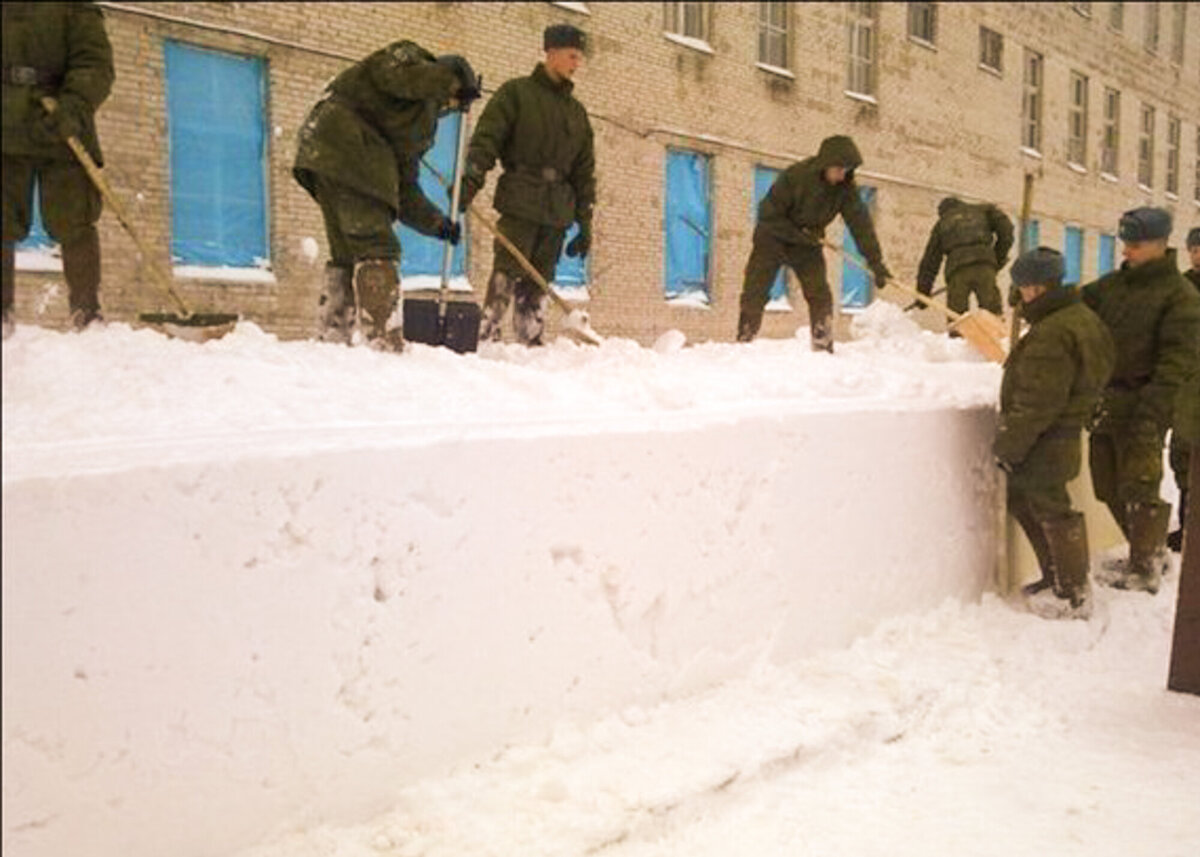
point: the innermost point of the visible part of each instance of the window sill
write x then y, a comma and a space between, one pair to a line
917, 40
581, 8
860, 96
37, 260
572, 292
1077, 168
778, 305
225, 275
690, 42
774, 69
1174, 197
433, 283
690, 300
1033, 153
1109, 177
990, 70
1145, 188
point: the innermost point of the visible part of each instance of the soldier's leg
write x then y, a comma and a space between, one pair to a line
377, 290
506, 271
1180, 458
336, 307
71, 205
958, 291
1038, 494
1102, 462
17, 201
766, 256
809, 265
1140, 473
529, 305
981, 281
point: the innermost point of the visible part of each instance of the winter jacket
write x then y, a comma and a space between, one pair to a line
800, 203
1055, 374
965, 234
60, 50
1186, 426
541, 135
1153, 314
371, 127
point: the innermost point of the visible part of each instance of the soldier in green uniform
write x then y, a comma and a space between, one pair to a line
975, 240
358, 155
1181, 445
59, 50
792, 218
1153, 314
1052, 381
542, 137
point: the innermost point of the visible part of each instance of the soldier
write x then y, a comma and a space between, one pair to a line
791, 226
358, 156
59, 50
1052, 382
541, 134
1154, 317
975, 239
1180, 450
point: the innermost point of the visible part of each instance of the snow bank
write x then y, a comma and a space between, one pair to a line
249, 583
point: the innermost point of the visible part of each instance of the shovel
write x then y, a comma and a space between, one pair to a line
454, 324
195, 327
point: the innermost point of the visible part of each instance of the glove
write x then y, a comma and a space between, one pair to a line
881, 274
925, 288
67, 120
469, 85
1004, 465
449, 231
472, 184
581, 243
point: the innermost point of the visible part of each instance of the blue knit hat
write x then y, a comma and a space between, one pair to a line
1144, 224
1041, 267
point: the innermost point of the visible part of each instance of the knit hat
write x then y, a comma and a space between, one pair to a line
563, 36
1193, 239
1041, 267
1144, 224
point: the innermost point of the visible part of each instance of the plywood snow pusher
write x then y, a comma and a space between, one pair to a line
195, 327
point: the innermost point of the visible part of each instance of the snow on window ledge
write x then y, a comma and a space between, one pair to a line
1174, 197
860, 96
1145, 188
779, 304
774, 69
690, 300
1109, 177
572, 292
432, 282
925, 43
39, 259
991, 70
690, 42
1079, 168
224, 274
581, 8
1033, 153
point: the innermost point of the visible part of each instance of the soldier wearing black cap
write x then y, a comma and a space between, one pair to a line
1153, 314
541, 135
1186, 408
1052, 381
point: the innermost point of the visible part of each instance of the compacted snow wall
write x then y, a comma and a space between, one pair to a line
200, 655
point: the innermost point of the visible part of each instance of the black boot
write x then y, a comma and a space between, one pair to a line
1067, 539
821, 330
1147, 546
748, 325
81, 270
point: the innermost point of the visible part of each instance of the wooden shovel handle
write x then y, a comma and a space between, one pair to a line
521, 260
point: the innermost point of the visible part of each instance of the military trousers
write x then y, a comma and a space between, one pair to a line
1037, 487
978, 280
541, 246
70, 205
1126, 459
358, 227
1180, 457
767, 255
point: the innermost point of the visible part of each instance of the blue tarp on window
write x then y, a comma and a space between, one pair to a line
421, 254
1033, 233
38, 238
216, 123
688, 223
1107, 260
1073, 254
764, 177
571, 270
856, 283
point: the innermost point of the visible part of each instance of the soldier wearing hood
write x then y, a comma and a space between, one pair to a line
975, 240
792, 218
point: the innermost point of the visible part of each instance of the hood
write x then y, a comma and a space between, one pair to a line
838, 151
947, 204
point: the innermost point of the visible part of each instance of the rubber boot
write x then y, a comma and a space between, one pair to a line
748, 326
1067, 538
1175, 537
821, 329
495, 304
8, 261
529, 312
336, 306
1147, 547
81, 270
377, 294
1041, 549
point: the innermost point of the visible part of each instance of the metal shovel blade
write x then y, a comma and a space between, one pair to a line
458, 330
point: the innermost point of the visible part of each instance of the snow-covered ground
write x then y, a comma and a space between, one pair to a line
970, 729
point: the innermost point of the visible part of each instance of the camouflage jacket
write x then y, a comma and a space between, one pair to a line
60, 50
1187, 403
371, 127
965, 235
1055, 374
542, 137
800, 203
1154, 317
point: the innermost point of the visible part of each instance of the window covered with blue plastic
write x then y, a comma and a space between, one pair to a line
38, 238
764, 177
1107, 253
421, 255
688, 224
1073, 254
856, 283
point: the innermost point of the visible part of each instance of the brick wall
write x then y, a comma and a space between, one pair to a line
939, 124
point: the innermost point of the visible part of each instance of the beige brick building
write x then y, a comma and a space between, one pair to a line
1099, 101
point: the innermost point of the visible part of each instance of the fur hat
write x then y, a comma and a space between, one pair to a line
1041, 267
1193, 239
1144, 224
563, 36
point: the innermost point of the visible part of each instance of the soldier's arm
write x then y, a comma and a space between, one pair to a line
583, 179
931, 261
1178, 355
1047, 371
491, 133
858, 219
405, 71
1002, 226
415, 208
89, 76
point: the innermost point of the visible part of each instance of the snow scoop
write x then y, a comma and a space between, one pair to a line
195, 327
454, 324
981, 328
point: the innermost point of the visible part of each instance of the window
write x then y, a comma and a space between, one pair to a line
1106, 257
1153, 28
38, 251
922, 22
422, 256
1178, 31
1073, 255
688, 225
773, 42
1145, 173
1077, 120
856, 283
1031, 236
861, 24
1116, 16
686, 19
991, 50
217, 139
764, 177
1110, 144
1174, 135
1031, 104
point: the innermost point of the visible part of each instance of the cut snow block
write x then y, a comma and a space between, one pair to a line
458, 331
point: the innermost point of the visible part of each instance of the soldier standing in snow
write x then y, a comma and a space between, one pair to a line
1052, 382
975, 239
59, 50
542, 137
358, 155
1153, 314
1185, 407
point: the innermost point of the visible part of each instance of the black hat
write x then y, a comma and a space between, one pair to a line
1144, 224
1041, 267
563, 36
1193, 239
470, 85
